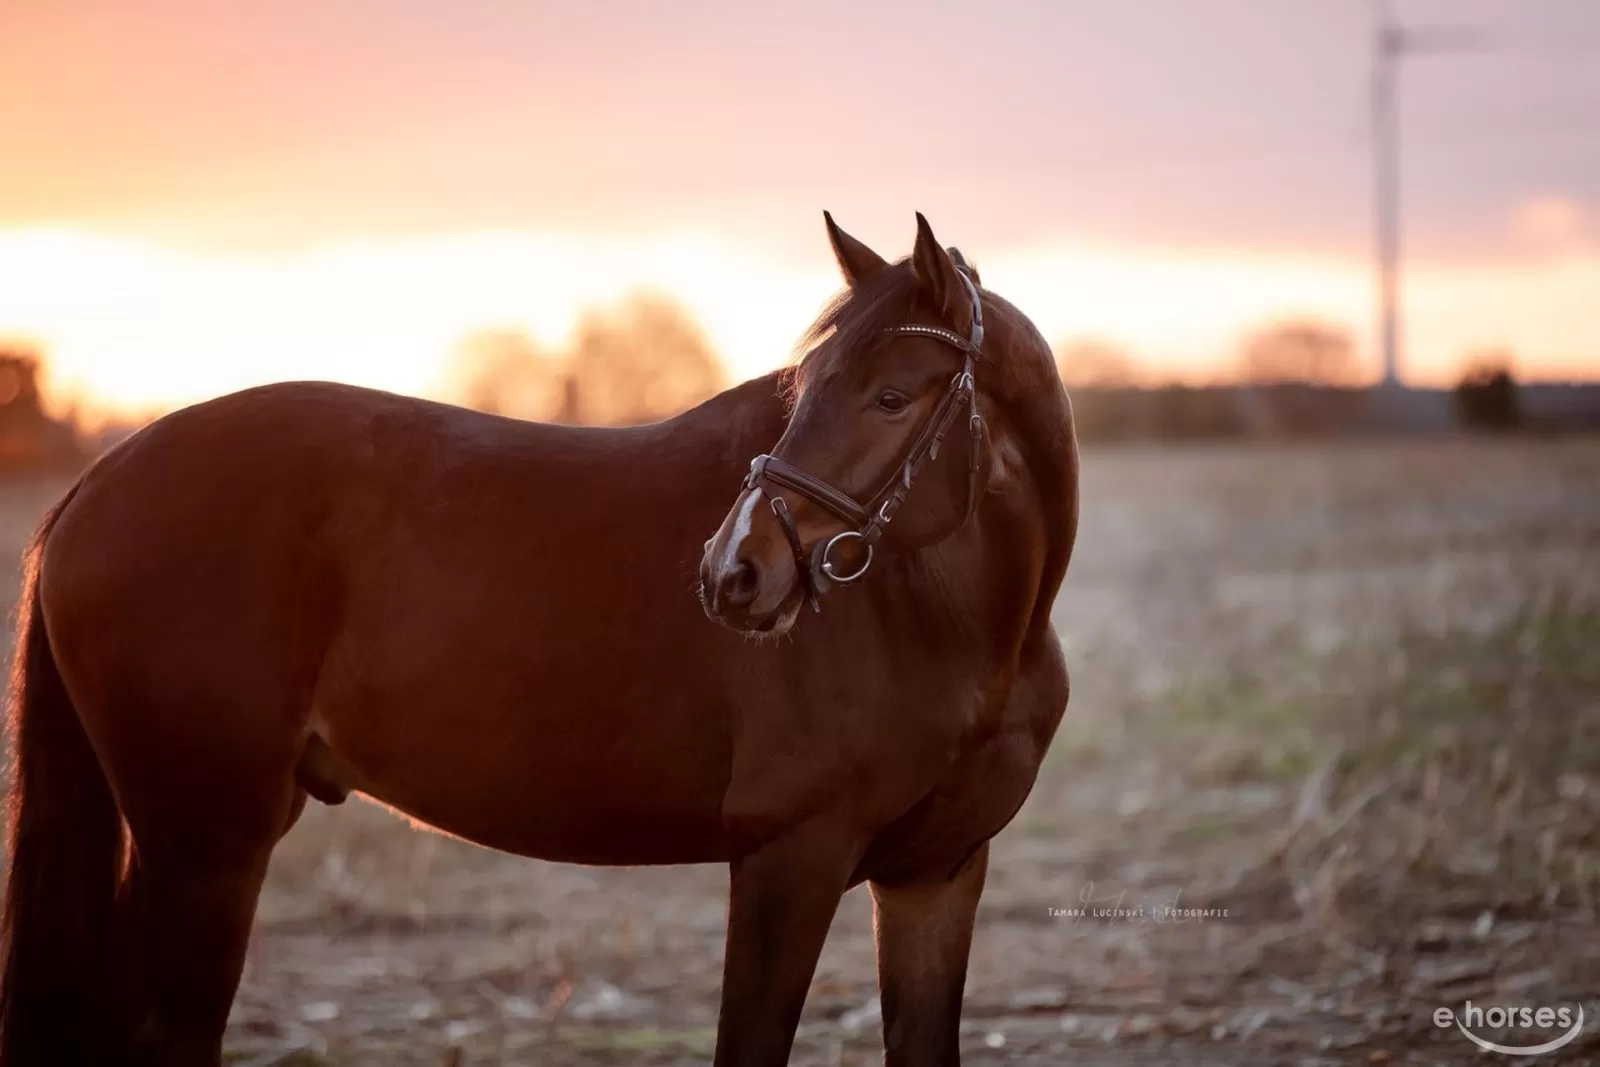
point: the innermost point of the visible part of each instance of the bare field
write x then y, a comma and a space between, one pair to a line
1348, 694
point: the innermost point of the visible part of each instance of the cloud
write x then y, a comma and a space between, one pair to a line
1550, 222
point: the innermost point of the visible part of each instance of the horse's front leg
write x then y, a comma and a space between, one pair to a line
924, 931
782, 901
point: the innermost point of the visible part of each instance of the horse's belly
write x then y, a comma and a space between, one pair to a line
575, 742
624, 788
544, 814
601, 838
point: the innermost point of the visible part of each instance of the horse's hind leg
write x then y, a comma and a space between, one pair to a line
924, 932
191, 922
187, 908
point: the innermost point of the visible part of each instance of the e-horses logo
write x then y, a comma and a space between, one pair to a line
1502, 1018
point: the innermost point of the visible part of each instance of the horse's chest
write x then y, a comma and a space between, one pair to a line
984, 787
980, 795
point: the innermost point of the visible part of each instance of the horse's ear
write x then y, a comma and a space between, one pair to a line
961, 261
857, 262
936, 274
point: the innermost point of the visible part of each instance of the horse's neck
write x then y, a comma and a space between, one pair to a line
749, 415
711, 445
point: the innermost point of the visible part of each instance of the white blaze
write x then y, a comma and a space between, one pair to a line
741, 529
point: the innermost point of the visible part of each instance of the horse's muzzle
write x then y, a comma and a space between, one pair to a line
733, 594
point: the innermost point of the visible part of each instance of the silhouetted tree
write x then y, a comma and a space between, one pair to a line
1106, 401
505, 372
643, 361
29, 438
1298, 377
1091, 364
1486, 396
1299, 352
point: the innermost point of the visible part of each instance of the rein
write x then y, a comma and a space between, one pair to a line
869, 520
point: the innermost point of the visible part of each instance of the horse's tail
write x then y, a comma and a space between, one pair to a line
64, 837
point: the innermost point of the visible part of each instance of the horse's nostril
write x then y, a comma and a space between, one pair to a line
740, 585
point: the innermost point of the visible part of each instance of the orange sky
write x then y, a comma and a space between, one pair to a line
199, 197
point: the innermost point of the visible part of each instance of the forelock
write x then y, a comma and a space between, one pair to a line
854, 321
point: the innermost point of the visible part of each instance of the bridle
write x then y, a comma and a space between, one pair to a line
869, 520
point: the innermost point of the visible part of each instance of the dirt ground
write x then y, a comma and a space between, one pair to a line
1343, 700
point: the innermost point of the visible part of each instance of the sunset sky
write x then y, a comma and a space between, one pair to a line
201, 196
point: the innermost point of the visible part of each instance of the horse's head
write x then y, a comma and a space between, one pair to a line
892, 443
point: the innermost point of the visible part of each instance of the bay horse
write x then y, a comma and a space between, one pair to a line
310, 589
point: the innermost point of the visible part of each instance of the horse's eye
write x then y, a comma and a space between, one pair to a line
892, 402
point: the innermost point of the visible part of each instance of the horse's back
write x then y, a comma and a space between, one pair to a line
269, 470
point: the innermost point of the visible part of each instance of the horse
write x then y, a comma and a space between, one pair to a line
491, 626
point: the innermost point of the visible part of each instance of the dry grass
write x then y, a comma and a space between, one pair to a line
1349, 693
